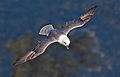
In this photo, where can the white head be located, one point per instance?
(64, 40)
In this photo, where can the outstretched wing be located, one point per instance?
(68, 26)
(39, 49)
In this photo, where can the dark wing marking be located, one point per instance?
(68, 26)
(39, 49)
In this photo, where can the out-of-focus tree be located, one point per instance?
(52, 64)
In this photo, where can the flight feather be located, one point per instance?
(39, 49)
(68, 26)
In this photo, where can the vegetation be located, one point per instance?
(56, 61)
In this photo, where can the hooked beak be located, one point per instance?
(67, 47)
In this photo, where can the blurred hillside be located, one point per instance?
(52, 64)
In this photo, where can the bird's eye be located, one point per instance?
(64, 42)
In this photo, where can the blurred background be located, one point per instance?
(94, 52)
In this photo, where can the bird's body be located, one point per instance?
(56, 35)
(60, 37)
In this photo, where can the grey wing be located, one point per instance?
(68, 26)
(39, 49)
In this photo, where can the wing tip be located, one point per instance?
(93, 9)
(30, 55)
(87, 15)
(17, 62)
(96, 6)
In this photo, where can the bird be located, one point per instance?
(53, 35)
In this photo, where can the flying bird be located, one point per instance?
(56, 35)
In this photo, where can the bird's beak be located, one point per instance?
(67, 47)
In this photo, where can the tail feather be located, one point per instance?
(46, 30)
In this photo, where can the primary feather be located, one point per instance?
(68, 26)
